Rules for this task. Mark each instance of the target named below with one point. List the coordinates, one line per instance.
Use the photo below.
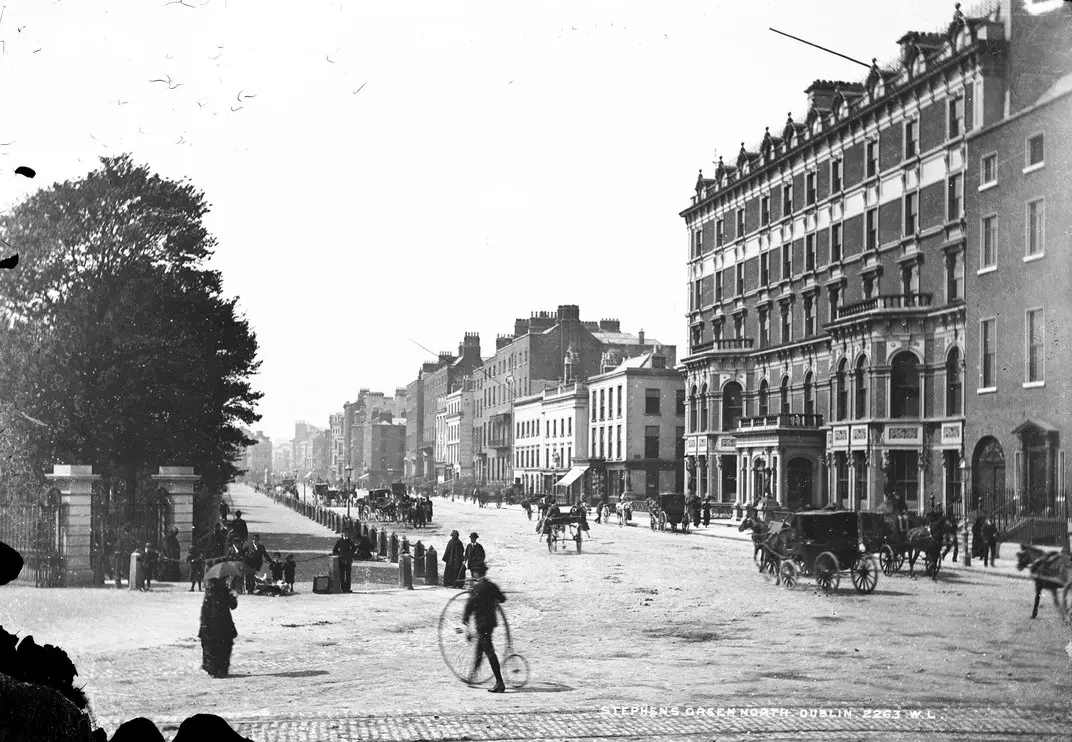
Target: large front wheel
(457, 645)
(827, 572)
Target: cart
(823, 544)
(558, 529)
(668, 510)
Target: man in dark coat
(474, 552)
(345, 549)
(990, 542)
(454, 559)
(482, 606)
(978, 546)
(217, 631)
(224, 510)
(707, 511)
(149, 559)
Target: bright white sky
(502, 158)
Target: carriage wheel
(864, 575)
(366, 512)
(515, 671)
(662, 521)
(888, 560)
(789, 573)
(498, 505)
(827, 572)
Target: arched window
(703, 408)
(861, 388)
(954, 384)
(787, 404)
(732, 405)
(764, 402)
(809, 395)
(694, 405)
(904, 386)
(842, 391)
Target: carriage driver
(482, 605)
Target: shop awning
(572, 476)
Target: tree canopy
(118, 341)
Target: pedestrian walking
(288, 570)
(482, 606)
(224, 510)
(345, 548)
(454, 559)
(978, 543)
(694, 510)
(218, 632)
(197, 567)
(474, 552)
(990, 543)
(149, 559)
(172, 557)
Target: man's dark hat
(473, 535)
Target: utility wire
(483, 369)
(836, 54)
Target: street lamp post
(349, 470)
(964, 510)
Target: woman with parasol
(218, 631)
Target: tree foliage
(118, 341)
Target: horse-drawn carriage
(823, 544)
(558, 529)
(377, 504)
(327, 496)
(897, 537)
(669, 509)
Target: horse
(927, 540)
(1051, 570)
(759, 534)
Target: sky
(385, 176)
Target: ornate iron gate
(35, 530)
(147, 514)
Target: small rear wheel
(827, 572)
(654, 521)
(888, 560)
(864, 575)
(662, 521)
(515, 671)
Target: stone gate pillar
(75, 483)
(179, 482)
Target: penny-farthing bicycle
(458, 646)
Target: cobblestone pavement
(827, 723)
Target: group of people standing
(459, 557)
(985, 539)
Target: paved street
(638, 619)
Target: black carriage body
(673, 505)
(835, 531)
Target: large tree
(119, 348)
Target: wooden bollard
(374, 537)
(383, 544)
(431, 567)
(392, 548)
(405, 571)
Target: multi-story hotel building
(1019, 273)
(826, 292)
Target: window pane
(989, 241)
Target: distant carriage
(668, 510)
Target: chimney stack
(640, 337)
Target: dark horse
(927, 540)
(1052, 572)
(759, 534)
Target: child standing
(288, 571)
(149, 560)
(197, 568)
(276, 568)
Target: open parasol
(225, 570)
